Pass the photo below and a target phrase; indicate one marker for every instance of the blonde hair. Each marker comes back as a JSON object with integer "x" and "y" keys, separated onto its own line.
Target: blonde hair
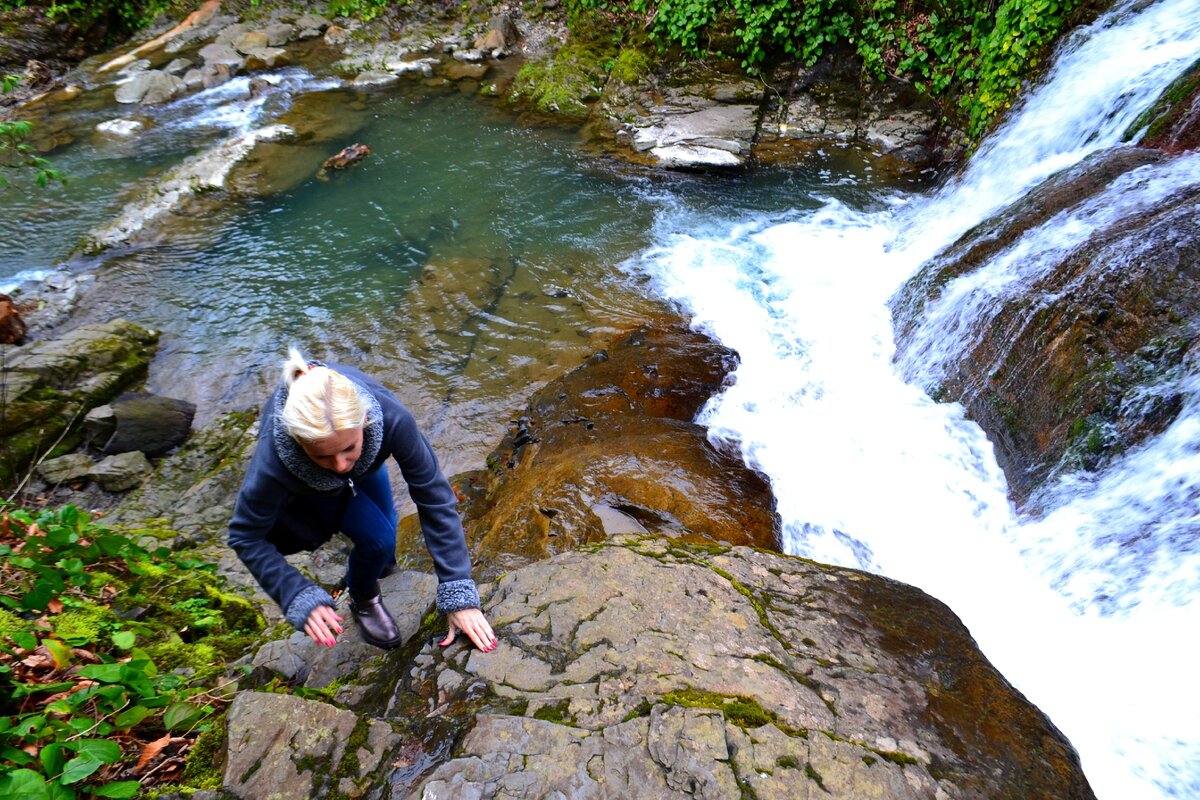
{"x": 320, "y": 401}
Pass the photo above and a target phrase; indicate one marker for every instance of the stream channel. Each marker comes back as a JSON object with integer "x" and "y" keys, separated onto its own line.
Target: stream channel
{"x": 470, "y": 259}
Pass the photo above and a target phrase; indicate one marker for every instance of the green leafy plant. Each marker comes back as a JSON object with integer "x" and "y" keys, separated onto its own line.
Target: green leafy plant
{"x": 15, "y": 152}
{"x": 91, "y": 624}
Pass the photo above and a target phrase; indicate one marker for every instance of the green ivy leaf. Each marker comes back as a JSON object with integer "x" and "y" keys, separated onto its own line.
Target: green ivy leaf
{"x": 61, "y": 654}
{"x": 105, "y": 673}
{"x": 24, "y": 783}
{"x": 53, "y": 759}
{"x": 131, "y": 716}
{"x": 24, "y": 640}
{"x": 124, "y": 639}
{"x": 118, "y": 789}
{"x": 181, "y": 716}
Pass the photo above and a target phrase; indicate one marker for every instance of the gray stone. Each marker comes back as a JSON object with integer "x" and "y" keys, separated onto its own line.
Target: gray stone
{"x": 271, "y": 737}
{"x": 311, "y": 22}
{"x": 251, "y": 41}
{"x": 803, "y": 681}
{"x": 215, "y": 75}
{"x": 149, "y": 88}
{"x": 472, "y": 55}
{"x": 65, "y": 468}
{"x": 221, "y": 53}
{"x": 267, "y": 58}
{"x": 230, "y": 34}
{"x": 121, "y": 472}
{"x": 140, "y": 65}
{"x": 178, "y": 67}
{"x": 374, "y": 78}
{"x": 715, "y": 136}
{"x": 193, "y": 79}
{"x": 279, "y": 33}
{"x": 121, "y": 128}
{"x": 145, "y": 422}
{"x": 407, "y": 595}
{"x": 336, "y": 37}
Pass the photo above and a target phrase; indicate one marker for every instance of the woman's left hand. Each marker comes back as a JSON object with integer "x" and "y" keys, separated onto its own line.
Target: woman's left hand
{"x": 471, "y": 622}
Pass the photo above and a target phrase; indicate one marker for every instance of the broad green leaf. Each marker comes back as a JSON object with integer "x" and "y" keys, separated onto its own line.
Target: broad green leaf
{"x": 181, "y": 715}
{"x": 102, "y": 750}
{"x": 25, "y": 640}
{"x": 53, "y": 759}
{"x": 118, "y": 789}
{"x": 19, "y": 757}
{"x": 79, "y": 768}
{"x": 25, "y": 784}
{"x": 124, "y": 639}
{"x": 105, "y": 673}
{"x": 131, "y": 716}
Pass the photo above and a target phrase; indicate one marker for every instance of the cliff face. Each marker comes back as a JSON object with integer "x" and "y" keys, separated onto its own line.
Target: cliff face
{"x": 1080, "y": 363}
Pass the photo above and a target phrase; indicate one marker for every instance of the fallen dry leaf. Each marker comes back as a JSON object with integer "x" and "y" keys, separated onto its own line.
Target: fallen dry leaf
{"x": 55, "y": 606}
{"x": 151, "y": 751}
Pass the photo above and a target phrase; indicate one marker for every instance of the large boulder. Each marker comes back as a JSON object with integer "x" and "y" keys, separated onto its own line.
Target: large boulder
{"x": 145, "y": 422}
{"x": 150, "y": 87}
{"x": 121, "y": 472}
{"x": 611, "y": 447}
{"x": 647, "y": 668}
{"x": 49, "y": 386}
{"x": 1056, "y": 373}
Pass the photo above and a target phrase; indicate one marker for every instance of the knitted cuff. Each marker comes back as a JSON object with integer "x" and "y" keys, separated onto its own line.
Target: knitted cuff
{"x": 457, "y": 595}
{"x": 302, "y": 605}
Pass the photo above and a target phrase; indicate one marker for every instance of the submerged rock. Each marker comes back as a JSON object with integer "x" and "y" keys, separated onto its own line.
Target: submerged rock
{"x": 200, "y": 173}
{"x": 616, "y": 435}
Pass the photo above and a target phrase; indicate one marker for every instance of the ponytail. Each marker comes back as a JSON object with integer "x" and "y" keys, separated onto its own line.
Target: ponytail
{"x": 320, "y": 401}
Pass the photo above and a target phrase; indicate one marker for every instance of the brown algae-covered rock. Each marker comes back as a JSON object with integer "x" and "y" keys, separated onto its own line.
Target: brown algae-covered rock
{"x": 612, "y": 447}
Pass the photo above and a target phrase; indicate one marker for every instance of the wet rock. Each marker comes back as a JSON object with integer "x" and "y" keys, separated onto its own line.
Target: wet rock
{"x": 251, "y": 41}
{"x": 49, "y": 386}
{"x": 65, "y": 468}
{"x": 134, "y": 67}
{"x": 12, "y": 327}
{"x": 202, "y": 172}
{"x": 336, "y": 37}
{"x": 145, "y": 422}
{"x": 804, "y": 680}
{"x": 279, "y": 33}
{"x": 1173, "y": 122}
{"x": 267, "y": 58}
{"x": 408, "y": 595}
{"x": 347, "y": 157}
{"x": 617, "y": 433}
{"x": 120, "y": 128}
{"x": 121, "y": 472}
{"x": 230, "y": 34}
{"x": 471, "y": 56}
{"x": 458, "y": 70}
{"x": 1058, "y": 375}
{"x": 178, "y": 67}
{"x": 311, "y": 26}
{"x": 717, "y": 136}
{"x": 215, "y": 75}
{"x": 288, "y": 748}
{"x": 193, "y": 490}
{"x": 149, "y": 88}
{"x": 258, "y": 87}
{"x": 374, "y": 78}
{"x": 221, "y": 53}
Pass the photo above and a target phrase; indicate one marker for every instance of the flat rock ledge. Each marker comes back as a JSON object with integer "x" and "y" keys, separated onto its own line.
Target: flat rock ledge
{"x": 642, "y": 667}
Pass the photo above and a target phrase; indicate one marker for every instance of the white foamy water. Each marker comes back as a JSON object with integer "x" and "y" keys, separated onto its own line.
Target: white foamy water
{"x": 870, "y": 472}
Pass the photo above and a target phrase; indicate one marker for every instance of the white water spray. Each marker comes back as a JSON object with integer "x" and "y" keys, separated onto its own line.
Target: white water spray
{"x": 869, "y": 472}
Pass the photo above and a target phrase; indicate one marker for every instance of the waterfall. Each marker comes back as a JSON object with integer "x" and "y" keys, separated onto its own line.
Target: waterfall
{"x": 870, "y": 472}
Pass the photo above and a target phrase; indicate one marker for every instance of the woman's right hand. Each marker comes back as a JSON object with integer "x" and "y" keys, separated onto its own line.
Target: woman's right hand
{"x": 322, "y": 625}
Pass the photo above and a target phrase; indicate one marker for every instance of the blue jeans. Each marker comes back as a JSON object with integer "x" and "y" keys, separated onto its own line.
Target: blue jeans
{"x": 368, "y": 518}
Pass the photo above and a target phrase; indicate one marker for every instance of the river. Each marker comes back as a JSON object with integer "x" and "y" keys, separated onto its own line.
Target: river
{"x": 469, "y": 259}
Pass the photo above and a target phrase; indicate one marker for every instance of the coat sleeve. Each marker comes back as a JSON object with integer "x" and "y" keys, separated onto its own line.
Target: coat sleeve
{"x": 437, "y": 509}
{"x": 254, "y": 517}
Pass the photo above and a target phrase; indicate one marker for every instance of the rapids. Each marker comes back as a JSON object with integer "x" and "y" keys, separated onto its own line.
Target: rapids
{"x": 870, "y": 472}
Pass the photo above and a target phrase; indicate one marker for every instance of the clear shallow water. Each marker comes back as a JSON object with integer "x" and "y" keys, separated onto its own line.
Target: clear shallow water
{"x": 1089, "y": 609}
{"x": 466, "y": 261}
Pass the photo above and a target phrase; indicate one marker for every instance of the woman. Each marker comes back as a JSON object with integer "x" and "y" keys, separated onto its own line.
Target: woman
{"x": 319, "y": 467}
